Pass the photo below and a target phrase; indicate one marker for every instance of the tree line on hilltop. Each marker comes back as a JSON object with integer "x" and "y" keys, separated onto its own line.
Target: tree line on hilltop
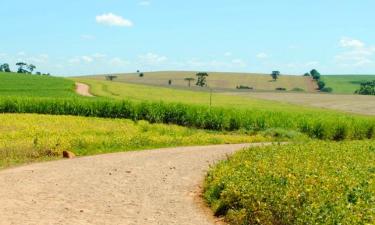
{"x": 23, "y": 68}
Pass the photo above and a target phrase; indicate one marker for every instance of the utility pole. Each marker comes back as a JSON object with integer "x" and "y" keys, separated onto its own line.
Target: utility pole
{"x": 210, "y": 97}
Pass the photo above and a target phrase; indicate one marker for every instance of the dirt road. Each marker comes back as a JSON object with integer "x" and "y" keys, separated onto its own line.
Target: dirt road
{"x": 83, "y": 89}
{"x": 133, "y": 188}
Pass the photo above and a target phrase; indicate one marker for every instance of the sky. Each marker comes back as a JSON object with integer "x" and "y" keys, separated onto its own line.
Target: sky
{"x": 81, "y": 37}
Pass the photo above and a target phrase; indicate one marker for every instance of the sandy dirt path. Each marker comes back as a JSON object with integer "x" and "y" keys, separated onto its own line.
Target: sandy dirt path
{"x": 134, "y": 188}
{"x": 83, "y": 89}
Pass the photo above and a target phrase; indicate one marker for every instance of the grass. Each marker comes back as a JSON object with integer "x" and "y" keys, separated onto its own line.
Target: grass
{"x": 346, "y": 84}
{"x": 216, "y": 80}
{"x": 28, "y": 137}
{"x": 13, "y": 84}
{"x": 310, "y": 183}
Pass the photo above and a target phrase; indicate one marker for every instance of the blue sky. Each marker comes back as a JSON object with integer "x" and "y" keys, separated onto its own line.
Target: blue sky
{"x": 74, "y": 37}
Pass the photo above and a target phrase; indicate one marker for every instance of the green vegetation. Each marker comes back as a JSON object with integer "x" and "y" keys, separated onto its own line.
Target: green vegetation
{"x": 346, "y": 84}
{"x": 215, "y": 80}
{"x": 310, "y": 183}
{"x": 323, "y": 125}
{"x": 275, "y": 75}
{"x": 13, "y": 84}
{"x": 367, "y": 88}
{"x": 201, "y": 79}
{"x": 27, "y": 138}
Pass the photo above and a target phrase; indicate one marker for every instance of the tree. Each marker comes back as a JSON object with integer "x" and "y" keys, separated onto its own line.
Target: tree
{"x": 137, "y": 71}
{"x": 307, "y": 75}
{"x": 38, "y": 73}
{"x": 141, "y": 75}
{"x": 21, "y": 68}
{"x": 321, "y": 84}
{"x": 315, "y": 74}
{"x": 189, "y": 80}
{"x": 6, "y": 68}
{"x": 367, "y": 88}
{"x": 110, "y": 77}
{"x": 169, "y": 82}
{"x": 275, "y": 75}
{"x": 31, "y": 68}
{"x": 201, "y": 82}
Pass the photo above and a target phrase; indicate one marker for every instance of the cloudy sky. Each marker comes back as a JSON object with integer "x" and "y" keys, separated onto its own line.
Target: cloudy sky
{"x": 73, "y": 37}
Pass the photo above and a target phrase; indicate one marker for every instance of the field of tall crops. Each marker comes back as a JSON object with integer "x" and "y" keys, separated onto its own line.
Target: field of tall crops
{"x": 27, "y": 138}
{"x": 14, "y": 84}
{"x": 319, "y": 125}
{"x": 313, "y": 183}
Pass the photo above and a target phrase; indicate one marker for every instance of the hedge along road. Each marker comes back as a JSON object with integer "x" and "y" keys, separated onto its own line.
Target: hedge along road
{"x": 147, "y": 187}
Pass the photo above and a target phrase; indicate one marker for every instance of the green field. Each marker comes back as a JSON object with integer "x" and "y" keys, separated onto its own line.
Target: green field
{"x": 13, "y": 84}
{"x": 28, "y": 138}
{"x": 219, "y": 81}
{"x": 309, "y": 183}
{"x": 346, "y": 84}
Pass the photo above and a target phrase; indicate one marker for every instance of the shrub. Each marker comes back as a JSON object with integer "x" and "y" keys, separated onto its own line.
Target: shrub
{"x": 244, "y": 87}
{"x": 326, "y": 89}
{"x": 321, "y": 84}
{"x": 309, "y": 183}
{"x": 280, "y": 89}
{"x": 298, "y": 89}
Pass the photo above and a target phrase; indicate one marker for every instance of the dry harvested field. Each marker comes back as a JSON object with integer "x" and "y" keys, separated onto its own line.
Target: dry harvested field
{"x": 217, "y": 80}
{"x": 360, "y": 104}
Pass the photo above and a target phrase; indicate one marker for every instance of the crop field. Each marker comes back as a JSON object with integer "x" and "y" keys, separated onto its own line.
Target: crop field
{"x": 360, "y": 104}
{"x": 310, "y": 183}
{"x": 28, "y": 137}
{"x": 220, "y": 81}
{"x": 13, "y": 84}
{"x": 346, "y": 84}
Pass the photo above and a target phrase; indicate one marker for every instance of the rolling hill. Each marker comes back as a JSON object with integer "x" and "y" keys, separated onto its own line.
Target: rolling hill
{"x": 346, "y": 84}
{"x": 217, "y": 80}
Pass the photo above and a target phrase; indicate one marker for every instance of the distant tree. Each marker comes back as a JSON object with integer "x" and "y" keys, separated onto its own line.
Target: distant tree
{"x": 307, "y": 75}
{"x": 6, "y": 68}
{"x": 110, "y": 77}
{"x": 315, "y": 74}
{"x": 141, "y": 75}
{"x": 367, "y": 88}
{"x": 201, "y": 82}
{"x": 169, "y": 82}
{"x": 137, "y": 71}
{"x": 31, "y": 68}
{"x": 321, "y": 84}
{"x": 21, "y": 67}
{"x": 275, "y": 75}
{"x": 38, "y": 73}
{"x": 189, "y": 80}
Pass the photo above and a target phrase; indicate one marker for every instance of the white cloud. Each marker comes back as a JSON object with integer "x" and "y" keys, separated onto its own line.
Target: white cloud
{"x": 356, "y": 53}
{"x": 87, "y": 59}
{"x": 111, "y": 19}
{"x": 239, "y": 63}
{"x": 145, "y": 3}
{"x": 228, "y": 54}
{"x": 152, "y": 59}
{"x": 262, "y": 55}
{"x": 21, "y": 53}
{"x": 312, "y": 63}
{"x": 116, "y": 61}
{"x": 351, "y": 43}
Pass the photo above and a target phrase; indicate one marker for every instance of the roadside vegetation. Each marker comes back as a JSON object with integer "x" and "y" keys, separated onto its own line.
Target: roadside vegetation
{"x": 367, "y": 88}
{"x": 311, "y": 183}
{"x": 28, "y": 138}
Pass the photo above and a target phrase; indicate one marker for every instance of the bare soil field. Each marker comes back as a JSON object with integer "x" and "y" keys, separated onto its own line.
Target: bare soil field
{"x": 359, "y": 104}
{"x": 148, "y": 187}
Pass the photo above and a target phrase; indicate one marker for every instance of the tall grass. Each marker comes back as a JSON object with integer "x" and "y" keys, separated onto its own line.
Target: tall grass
{"x": 324, "y": 125}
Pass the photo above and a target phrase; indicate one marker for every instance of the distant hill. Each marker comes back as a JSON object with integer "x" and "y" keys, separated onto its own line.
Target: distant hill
{"x": 346, "y": 84}
{"x": 218, "y": 80}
